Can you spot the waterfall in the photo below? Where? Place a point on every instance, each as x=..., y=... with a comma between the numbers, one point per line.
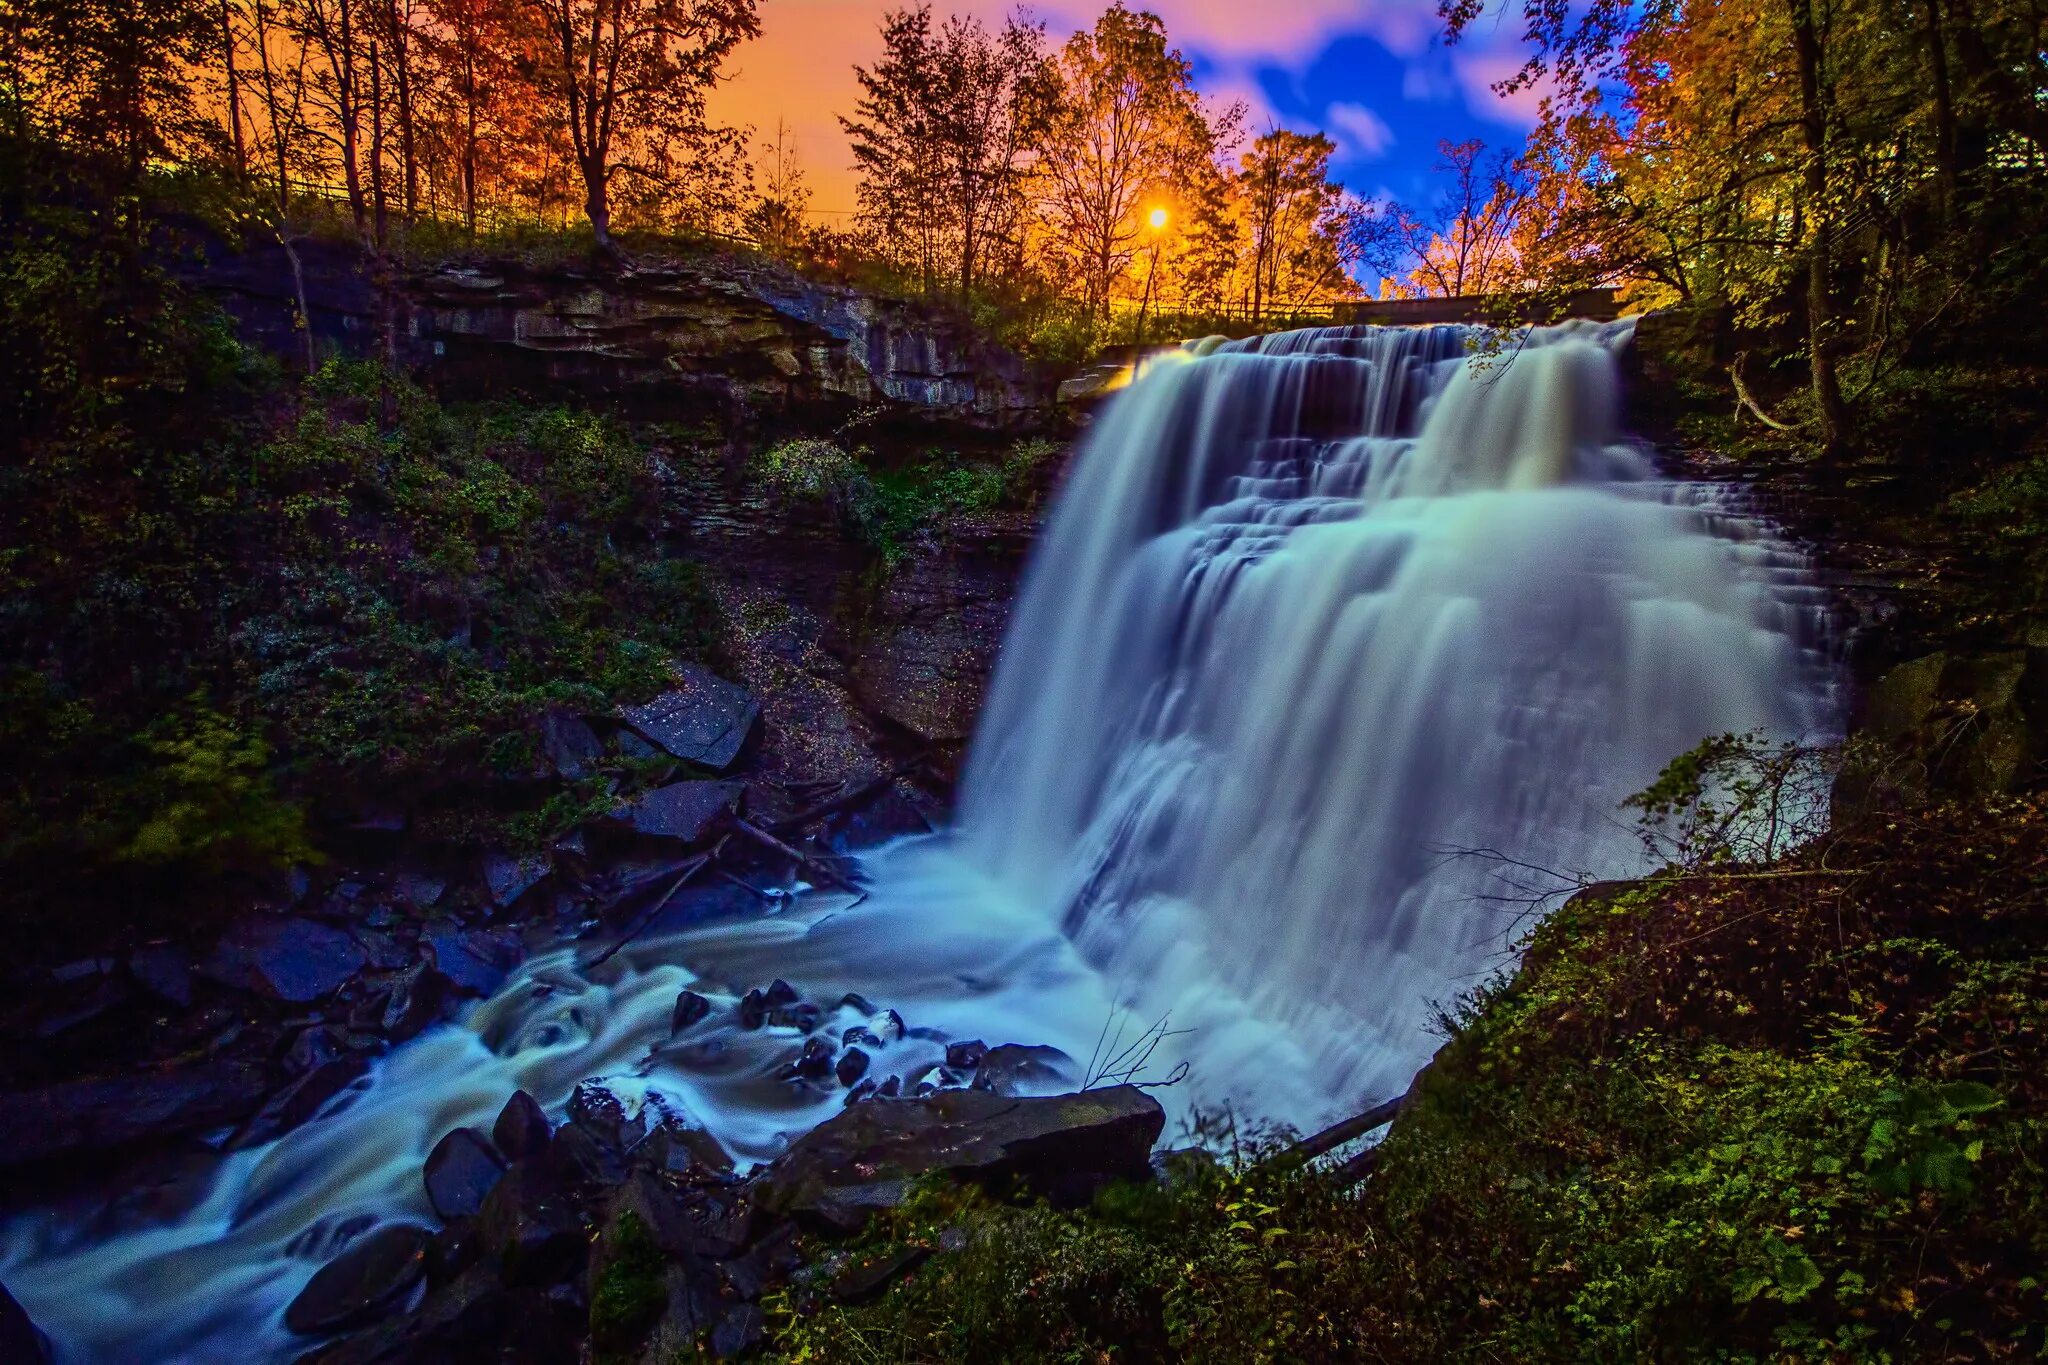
x=1325, y=626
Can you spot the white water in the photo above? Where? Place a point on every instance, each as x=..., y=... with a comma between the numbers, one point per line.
x=1313, y=613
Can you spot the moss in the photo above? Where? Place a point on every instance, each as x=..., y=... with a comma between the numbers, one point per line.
x=630, y=1293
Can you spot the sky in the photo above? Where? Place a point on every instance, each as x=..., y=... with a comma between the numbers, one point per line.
x=1373, y=74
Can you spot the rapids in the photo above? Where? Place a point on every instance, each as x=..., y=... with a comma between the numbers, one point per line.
x=1316, y=616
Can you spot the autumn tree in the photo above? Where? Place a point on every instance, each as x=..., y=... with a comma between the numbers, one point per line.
x=1463, y=243
x=776, y=218
x=628, y=81
x=1294, y=219
x=1127, y=126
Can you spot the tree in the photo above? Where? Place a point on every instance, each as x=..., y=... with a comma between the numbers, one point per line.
x=1294, y=217
x=1126, y=127
x=1465, y=243
x=776, y=219
x=628, y=80
x=330, y=28
x=941, y=136
x=110, y=77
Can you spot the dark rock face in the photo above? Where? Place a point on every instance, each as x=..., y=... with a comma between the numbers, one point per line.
x=569, y=743
x=510, y=877
x=705, y=720
x=164, y=971
x=368, y=1279
x=1062, y=1146
x=473, y=1317
x=528, y=1224
x=684, y=811
x=476, y=961
x=300, y=1100
x=21, y=1343
x=80, y=1117
x=1966, y=724
x=460, y=1173
x=298, y=960
x=746, y=331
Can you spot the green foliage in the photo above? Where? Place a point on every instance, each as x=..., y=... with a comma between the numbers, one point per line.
x=892, y=510
x=1734, y=799
x=209, y=799
x=630, y=1293
x=1773, y=1112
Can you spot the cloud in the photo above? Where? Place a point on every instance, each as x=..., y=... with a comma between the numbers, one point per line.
x=1361, y=134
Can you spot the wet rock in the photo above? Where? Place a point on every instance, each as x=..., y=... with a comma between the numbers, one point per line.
x=887, y=1027
x=579, y=1156
x=385, y=953
x=312, y=1048
x=741, y=1329
x=691, y=1008
x=475, y=961
x=802, y=1016
x=21, y=1342
x=705, y=720
x=888, y=816
x=76, y=1118
x=677, y=1145
x=1063, y=1147
x=164, y=971
x=851, y=1066
x=454, y=1249
x=508, y=876
x=528, y=1224
x=814, y=1063
x=300, y=1100
x=298, y=960
x=684, y=811
x=367, y=1280
x=1017, y=1069
x=473, y=1317
x=966, y=1056
x=522, y=1131
x=570, y=745
x=460, y=1173
x=417, y=998
x=869, y=1278
x=753, y=1009
x=859, y=1004
x=421, y=890
x=890, y=1088
x=866, y=1089
x=593, y=1106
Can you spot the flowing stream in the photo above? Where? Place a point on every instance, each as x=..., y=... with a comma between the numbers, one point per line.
x=1318, y=618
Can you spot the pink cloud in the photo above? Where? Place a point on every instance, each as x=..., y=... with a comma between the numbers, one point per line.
x=1361, y=133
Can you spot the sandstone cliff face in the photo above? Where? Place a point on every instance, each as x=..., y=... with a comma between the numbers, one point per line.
x=743, y=334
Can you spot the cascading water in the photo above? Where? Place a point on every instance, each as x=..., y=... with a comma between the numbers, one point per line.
x=1318, y=616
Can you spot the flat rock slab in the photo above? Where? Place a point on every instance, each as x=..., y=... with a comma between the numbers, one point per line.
x=682, y=810
x=292, y=959
x=706, y=720
x=79, y=1117
x=1063, y=1147
x=460, y=1174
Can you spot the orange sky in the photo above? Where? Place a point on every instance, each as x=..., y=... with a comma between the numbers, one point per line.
x=801, y=68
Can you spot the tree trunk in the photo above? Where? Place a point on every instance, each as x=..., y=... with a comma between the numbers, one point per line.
x=1820, y=307
x=597, y=206
x=227, y=52
x=380, y=219
x=1944, y=107
x=401, y=70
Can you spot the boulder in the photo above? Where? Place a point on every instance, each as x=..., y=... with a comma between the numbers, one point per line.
x=851, y=1067
x=21, y=1342
x=475, y=961
x=76, y=1118
x=1021, y=1069
x=571, y=746
x=705, y=720
x=691, y=1008
x=460, y=1173
x=285, y=958
x=1959, y=724
x=164, y=971
x=522, y=1131
x=509, y=876
x=420, y=890
x=814, y=1063
x=1063, y=1147
x=473, y=1317
x=966, y=1056
x=418, y=996
x=684, y=811
x=364, y=1282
